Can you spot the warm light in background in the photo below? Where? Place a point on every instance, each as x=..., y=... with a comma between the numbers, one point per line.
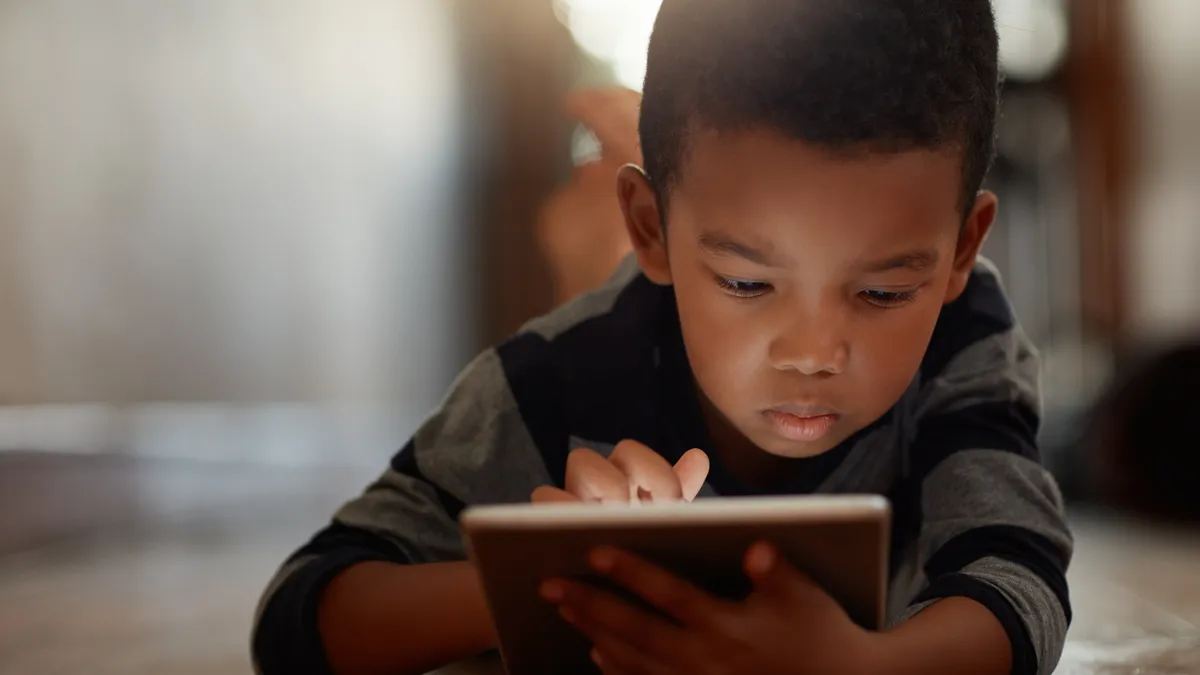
x=1033, y=35
x=614, y=31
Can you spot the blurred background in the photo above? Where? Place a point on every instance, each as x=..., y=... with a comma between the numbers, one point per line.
x=245, y=245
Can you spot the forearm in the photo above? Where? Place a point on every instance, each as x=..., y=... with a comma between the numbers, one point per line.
x=378, y=617
x=953, y=636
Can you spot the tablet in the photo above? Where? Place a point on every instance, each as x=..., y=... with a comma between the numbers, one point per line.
x=841, y=541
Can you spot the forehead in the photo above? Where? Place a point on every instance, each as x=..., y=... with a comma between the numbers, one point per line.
x=769, y=185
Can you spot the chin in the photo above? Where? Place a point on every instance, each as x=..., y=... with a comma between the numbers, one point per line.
x=787, y=449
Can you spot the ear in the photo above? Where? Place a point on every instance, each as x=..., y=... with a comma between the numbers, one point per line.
x=644, y=223
x=970, y=239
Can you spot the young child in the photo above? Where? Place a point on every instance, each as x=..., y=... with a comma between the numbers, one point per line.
x=805, y=313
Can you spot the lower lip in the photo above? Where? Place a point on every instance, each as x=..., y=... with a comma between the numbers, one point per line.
x=802, y=429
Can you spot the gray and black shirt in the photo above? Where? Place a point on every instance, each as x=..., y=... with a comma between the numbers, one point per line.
x=975, y=513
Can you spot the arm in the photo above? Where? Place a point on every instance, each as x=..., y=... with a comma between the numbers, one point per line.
x=955, y=635
x=379, y=617
x=991, y=533
x=384, y=588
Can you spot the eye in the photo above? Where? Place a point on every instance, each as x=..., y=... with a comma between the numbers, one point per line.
x=888, y=299
x=743, y=289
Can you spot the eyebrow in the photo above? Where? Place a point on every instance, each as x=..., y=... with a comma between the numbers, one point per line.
x=915, y=261
x=722, y=245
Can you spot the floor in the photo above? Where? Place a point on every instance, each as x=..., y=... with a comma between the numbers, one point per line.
x=151, y=583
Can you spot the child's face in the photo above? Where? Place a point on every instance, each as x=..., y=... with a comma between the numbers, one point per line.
x=808, y=284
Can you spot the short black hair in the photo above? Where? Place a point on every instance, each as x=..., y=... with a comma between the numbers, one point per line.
x=846, y=75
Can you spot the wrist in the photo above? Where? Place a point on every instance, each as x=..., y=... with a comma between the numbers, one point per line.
x=872, y=654
x=478, y=616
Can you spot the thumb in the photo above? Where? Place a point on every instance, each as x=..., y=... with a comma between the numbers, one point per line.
x=772, y=575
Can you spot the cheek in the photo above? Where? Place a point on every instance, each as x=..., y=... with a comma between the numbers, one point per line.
x=891, y=347
x=723, y=344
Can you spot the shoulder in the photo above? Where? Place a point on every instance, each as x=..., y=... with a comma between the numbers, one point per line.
x=590, y=306
x=586, y=370
x=555, y=378
x=979, y=383
x=978, y=352
x=532, y=368
x=608, y=330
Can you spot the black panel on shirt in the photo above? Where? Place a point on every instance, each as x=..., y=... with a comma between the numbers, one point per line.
x=594, y=381
x=534, y=377
x=608, y=368
x=1006, y=542
x=980, y=312
x=1009, y=426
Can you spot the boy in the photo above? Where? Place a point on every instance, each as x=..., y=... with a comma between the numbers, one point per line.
x=807, y=309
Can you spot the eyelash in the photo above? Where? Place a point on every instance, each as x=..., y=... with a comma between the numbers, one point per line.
x=754, y=289
x=888, y=299
x=743, y=289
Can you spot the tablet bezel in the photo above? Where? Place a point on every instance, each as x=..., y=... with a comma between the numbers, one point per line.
x=494, y=533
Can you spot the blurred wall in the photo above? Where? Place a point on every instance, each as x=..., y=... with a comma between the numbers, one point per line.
x=233, y=202
x=1165, y=225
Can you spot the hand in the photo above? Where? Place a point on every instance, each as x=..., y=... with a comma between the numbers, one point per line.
x=581, y=230
x=787, y=626
x=633, y=473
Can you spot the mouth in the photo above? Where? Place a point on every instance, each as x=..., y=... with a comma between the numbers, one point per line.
x=802, y=423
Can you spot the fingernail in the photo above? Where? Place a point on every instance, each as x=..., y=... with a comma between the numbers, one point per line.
x=596, y=658
x=603, y=560
x=761, y=558
x=552, y=591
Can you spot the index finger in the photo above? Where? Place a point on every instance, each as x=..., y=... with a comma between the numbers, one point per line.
x=646, y=470
x=591, y=477
x=677, y=598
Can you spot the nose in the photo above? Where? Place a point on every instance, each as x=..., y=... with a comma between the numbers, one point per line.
x=811, y=346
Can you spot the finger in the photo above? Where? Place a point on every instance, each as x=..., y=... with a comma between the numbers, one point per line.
x=591, y=477
x=593, y=612
x=675, y=597
x=648, y=470
x=691, y=470
x=615, y=657
x=547, y=494
x=772, y=575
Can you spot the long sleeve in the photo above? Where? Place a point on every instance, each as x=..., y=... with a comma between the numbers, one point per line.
x=503, y=429
x=476, y=448
x=990, y=522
